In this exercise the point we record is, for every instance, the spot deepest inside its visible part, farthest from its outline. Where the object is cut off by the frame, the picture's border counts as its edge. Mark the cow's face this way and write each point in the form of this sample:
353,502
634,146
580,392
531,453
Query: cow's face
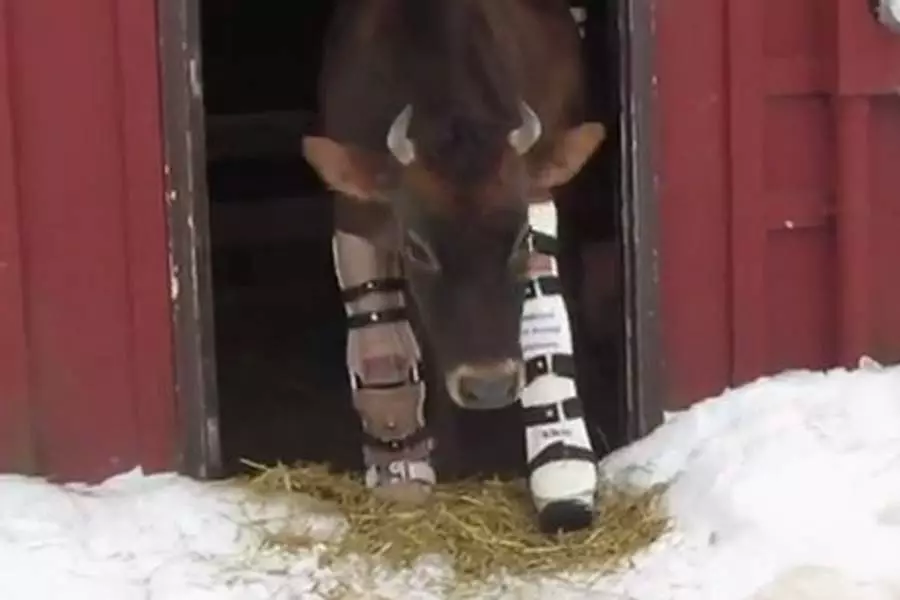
465,273
464,248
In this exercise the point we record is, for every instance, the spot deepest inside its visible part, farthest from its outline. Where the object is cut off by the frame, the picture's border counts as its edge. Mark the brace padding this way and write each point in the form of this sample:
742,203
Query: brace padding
384,364
559,454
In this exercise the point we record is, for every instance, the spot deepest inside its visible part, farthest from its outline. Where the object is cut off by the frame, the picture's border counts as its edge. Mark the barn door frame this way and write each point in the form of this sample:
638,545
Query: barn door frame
644,358
187,205
190,256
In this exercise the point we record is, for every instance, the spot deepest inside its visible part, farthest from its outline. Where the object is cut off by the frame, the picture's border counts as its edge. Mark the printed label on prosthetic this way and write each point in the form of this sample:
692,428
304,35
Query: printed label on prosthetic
545,328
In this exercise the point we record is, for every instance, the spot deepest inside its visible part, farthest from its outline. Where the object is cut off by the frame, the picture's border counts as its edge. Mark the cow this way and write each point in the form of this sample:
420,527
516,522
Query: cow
445,127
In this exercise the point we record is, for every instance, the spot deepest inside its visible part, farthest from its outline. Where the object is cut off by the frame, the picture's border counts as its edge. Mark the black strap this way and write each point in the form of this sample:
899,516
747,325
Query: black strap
377,317
547,285
543,243
562,365
396,445
571,408
389,284
560,451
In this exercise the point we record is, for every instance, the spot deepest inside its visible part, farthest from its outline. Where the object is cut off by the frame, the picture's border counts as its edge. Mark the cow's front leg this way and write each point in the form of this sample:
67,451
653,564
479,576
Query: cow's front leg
383,360
562,465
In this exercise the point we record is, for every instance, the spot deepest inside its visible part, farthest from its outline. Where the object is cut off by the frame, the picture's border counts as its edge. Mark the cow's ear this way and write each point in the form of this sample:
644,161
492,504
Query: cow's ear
566,157
351,171
374,221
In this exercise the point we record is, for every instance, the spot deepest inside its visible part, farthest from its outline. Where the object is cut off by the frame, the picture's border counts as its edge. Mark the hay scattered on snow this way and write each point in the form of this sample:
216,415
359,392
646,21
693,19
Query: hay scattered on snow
486,528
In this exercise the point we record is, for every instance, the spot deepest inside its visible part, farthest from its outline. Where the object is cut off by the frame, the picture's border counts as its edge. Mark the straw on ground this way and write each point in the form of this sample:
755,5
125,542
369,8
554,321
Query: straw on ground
485,528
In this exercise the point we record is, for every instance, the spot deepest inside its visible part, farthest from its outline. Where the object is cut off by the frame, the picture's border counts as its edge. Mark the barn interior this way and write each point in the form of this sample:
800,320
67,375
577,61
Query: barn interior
279,323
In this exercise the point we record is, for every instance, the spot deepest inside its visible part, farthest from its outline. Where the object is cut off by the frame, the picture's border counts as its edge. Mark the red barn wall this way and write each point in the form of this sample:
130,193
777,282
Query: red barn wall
780,132
86,384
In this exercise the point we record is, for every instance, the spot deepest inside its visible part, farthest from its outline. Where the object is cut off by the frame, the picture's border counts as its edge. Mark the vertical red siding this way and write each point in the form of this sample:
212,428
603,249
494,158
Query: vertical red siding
883,136
803,228
867,74
16,450
747,222
694,236
147,240
83,105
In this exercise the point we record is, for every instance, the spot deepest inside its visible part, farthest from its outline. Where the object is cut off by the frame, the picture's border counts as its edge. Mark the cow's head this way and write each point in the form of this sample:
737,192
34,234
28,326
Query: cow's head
463,241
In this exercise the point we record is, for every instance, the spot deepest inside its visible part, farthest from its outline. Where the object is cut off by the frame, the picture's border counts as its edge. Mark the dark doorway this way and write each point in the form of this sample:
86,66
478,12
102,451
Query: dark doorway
277,387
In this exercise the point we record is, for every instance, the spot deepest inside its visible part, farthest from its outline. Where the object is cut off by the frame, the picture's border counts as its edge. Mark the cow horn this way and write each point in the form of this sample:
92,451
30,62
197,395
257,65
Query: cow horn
523,138
398,137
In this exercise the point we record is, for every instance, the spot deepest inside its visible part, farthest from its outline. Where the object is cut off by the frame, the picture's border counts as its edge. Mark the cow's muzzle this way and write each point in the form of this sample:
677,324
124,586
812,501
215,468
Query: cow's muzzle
487,386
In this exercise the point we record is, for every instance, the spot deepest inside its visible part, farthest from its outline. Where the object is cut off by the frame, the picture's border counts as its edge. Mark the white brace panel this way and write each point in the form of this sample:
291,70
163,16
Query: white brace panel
546,330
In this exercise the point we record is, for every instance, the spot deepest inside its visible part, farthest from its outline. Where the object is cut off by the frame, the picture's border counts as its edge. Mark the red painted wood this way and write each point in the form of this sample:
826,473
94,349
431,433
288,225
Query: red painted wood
800,300
798,209
810,207
693,196
85,87
868,58
145,221
884,182
71,165
800,274
16,449
854,228
798,75
748,210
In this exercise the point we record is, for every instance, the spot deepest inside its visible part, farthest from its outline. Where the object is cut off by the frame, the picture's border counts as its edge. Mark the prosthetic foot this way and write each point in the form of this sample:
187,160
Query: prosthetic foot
562,465
384,364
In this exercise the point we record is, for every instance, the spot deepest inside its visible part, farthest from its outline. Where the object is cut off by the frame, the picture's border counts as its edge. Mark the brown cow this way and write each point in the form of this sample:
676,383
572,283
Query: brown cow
441,121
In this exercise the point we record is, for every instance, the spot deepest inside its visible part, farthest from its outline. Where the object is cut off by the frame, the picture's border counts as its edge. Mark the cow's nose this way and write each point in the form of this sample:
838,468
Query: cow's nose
486,389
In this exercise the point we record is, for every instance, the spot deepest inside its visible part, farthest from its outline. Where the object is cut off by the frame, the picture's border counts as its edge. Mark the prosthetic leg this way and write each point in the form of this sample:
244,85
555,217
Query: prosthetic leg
562,465
384,364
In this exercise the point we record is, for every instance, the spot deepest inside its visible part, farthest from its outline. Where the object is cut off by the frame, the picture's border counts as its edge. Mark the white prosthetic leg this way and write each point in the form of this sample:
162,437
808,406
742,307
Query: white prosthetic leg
562,465
384,364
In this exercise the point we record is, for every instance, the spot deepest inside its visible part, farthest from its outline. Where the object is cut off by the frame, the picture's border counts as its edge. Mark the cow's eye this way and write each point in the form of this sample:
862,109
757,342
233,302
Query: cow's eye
418,252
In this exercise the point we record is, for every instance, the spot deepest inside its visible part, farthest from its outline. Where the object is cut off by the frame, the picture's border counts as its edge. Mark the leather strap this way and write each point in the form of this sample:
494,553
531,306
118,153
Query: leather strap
560,451
387,285
377,317
543,243
396,445
546,285
568,409
562,365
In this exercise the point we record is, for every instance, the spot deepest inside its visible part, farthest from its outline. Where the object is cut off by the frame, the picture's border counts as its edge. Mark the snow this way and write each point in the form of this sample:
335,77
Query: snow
786,488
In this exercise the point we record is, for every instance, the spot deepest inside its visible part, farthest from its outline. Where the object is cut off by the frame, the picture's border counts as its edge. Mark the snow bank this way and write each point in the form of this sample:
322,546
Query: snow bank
798,470
787,488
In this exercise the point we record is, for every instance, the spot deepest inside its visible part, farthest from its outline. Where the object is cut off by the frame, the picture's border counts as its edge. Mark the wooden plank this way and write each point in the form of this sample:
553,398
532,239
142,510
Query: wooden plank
189,246
748,214
796,75
68,114
257,135
800,299
854,227
798,209
644,361
868,53
883,150
277,220
146,234
693,208
16,447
